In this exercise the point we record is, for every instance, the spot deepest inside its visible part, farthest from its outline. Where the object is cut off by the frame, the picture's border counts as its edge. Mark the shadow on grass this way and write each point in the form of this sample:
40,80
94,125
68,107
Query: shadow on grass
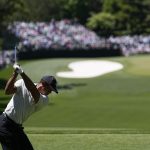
70,86
2,83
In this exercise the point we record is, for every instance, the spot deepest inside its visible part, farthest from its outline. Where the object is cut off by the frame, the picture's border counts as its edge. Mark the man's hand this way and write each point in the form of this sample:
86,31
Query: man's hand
18,68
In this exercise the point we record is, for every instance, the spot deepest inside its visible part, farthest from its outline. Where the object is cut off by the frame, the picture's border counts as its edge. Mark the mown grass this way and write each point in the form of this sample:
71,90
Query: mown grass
109,112
91,141
88,139
116,100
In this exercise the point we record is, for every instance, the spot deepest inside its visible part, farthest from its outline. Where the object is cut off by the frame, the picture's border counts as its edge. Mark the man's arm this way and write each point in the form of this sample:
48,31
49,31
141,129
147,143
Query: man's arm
31,87
28,83
10,88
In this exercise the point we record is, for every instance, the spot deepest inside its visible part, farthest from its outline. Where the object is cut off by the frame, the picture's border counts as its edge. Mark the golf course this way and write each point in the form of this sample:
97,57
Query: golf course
107,112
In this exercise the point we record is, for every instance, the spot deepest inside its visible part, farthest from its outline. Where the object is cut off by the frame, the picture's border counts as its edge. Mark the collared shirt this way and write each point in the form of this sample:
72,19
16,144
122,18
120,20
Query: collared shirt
22,105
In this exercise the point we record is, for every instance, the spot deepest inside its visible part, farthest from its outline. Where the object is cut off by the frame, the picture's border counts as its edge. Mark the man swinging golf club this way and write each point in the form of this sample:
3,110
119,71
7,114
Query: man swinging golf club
27,98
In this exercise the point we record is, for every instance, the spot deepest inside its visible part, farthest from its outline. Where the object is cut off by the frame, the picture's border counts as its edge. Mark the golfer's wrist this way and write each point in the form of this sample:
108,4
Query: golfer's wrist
22,72
19,71
15,74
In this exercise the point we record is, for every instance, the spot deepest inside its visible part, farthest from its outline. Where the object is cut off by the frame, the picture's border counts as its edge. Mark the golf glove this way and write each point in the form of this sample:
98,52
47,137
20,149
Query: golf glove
17,68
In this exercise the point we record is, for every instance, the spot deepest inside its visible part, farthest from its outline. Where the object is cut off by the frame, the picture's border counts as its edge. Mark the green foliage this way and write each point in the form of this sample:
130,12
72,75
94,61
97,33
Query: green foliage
44,10
8,8
112,6
81,9
104,23
1,42
131,16
75,8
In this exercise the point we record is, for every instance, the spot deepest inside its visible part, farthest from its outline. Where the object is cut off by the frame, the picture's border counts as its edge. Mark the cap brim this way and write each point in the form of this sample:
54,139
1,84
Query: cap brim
53,89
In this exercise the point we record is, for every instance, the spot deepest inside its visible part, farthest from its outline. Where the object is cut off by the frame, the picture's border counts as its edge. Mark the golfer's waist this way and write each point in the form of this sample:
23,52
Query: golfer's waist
11,120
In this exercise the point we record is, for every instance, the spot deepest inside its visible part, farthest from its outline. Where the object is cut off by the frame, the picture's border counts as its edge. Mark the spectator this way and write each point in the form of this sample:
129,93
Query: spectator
66,34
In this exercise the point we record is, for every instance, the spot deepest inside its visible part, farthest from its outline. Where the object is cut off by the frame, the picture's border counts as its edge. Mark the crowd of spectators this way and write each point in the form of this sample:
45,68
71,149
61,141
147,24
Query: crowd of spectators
6,58
64,34
130,45
71,35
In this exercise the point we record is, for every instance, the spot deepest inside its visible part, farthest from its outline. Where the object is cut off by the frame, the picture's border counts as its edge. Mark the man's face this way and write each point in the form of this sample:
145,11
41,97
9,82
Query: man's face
45,89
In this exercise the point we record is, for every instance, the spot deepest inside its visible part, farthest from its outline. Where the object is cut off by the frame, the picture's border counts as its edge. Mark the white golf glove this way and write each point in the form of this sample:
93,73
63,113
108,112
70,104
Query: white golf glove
17,68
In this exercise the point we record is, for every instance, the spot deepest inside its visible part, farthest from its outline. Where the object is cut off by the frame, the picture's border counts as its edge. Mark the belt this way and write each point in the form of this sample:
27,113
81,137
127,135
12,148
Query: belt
12,121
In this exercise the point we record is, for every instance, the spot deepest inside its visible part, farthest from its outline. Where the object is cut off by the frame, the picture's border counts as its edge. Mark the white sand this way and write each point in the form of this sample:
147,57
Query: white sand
90,69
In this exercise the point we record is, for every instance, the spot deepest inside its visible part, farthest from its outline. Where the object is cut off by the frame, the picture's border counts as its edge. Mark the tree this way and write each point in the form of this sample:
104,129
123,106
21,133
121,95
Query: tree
45,10
103,23
130,15
8,9
81,9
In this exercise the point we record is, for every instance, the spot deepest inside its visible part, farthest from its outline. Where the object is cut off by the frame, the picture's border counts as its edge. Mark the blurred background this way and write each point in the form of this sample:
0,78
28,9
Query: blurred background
69,27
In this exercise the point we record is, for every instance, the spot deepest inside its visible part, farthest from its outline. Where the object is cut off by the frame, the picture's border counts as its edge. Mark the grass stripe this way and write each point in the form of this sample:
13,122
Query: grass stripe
40,130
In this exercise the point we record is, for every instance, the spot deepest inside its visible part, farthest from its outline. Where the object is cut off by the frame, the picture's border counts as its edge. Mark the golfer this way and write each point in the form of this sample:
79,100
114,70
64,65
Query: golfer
27,98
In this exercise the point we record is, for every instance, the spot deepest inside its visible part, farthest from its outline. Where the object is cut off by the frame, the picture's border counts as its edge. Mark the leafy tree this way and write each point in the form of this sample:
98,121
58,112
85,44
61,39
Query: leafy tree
147,8
81,9
130,15
103,23
8,9
136,17
44,10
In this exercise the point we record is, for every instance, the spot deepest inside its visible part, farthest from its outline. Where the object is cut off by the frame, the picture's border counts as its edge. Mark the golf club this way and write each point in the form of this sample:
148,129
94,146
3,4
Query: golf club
16,49
15,55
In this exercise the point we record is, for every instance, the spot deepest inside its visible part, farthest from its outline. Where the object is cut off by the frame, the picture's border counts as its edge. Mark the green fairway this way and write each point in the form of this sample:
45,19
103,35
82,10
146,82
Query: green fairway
91,142
88,139
109,112
115,100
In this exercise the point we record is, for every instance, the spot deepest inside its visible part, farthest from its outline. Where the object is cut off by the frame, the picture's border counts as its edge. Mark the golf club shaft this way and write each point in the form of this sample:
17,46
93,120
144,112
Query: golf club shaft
15,54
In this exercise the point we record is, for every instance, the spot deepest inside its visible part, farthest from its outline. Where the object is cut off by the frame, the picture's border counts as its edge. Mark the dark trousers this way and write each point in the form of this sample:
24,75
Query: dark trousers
12,136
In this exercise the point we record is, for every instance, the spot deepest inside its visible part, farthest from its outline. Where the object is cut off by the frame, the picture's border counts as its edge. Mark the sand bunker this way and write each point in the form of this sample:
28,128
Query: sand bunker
90,69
